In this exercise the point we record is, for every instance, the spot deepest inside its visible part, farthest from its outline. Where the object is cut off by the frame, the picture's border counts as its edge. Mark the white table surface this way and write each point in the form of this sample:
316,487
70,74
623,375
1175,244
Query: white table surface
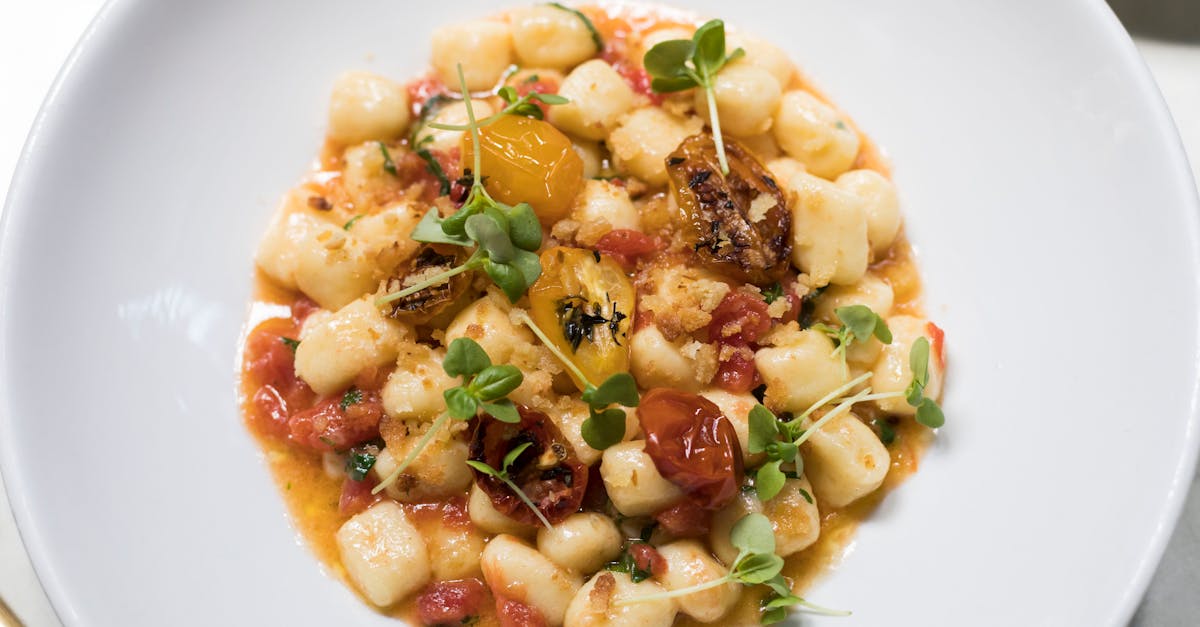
37,35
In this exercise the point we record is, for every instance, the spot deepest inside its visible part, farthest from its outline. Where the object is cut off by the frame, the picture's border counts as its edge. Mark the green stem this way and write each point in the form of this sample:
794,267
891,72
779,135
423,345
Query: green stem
436,279
830,396
819,609
471,125
412,454
842,408
881,396
527,321
715,120
700,587
525,499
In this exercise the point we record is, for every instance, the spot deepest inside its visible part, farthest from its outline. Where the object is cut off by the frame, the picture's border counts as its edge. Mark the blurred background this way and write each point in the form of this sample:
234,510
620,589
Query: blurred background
37,35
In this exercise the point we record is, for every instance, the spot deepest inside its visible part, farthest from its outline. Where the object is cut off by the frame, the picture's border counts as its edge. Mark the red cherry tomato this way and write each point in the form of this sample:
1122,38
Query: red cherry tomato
450,602
685,519
738,373
512,613
547,471
626,246
739,319
693,445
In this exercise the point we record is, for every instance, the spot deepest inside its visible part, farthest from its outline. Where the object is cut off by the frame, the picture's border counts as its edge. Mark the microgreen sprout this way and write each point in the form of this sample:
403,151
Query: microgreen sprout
596,39
775,438
859,324
502,475
772,292
485,387
928,411
505,237
349,223
668,65
774,607
605,425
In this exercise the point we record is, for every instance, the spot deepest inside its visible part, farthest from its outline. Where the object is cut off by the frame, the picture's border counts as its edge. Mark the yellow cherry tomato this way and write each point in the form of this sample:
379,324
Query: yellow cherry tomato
585,303
527,160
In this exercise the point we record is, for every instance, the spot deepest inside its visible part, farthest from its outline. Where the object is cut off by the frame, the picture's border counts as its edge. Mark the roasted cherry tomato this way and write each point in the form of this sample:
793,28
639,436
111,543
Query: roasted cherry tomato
547,471
528,160
738,224
423,306
693,445
585,303
626,246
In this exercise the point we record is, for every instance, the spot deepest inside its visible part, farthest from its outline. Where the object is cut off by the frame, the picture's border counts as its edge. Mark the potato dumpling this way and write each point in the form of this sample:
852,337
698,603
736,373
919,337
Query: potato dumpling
414,389
799,370
882,206
633,482
794,516
584,542
514,570
602,207
871,292
829,231
452,113
844,460
595,605
892,371
486,321
332,268
598,98
482,47
289,230
764,55
334,349
746,97
439,471
454,549
644,139
658,362
547,36
689,564
485,516
736,408
364,106
813,132
383,554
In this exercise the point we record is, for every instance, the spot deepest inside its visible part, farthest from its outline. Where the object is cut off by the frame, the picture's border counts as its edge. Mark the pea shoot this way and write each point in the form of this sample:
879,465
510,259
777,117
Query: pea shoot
774,607
485,387
505,237
681,64
502,475
859,324
605,425
928,411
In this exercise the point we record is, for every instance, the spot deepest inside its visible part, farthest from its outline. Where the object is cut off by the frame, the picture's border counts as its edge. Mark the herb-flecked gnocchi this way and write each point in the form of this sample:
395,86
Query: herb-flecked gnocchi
609,319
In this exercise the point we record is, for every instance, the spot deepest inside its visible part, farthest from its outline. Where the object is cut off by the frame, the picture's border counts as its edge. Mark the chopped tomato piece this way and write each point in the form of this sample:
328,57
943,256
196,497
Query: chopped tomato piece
739,319
516,614
738,373
450,602
647,559
937,343
685,520
356,496
422,89
627,246
327,426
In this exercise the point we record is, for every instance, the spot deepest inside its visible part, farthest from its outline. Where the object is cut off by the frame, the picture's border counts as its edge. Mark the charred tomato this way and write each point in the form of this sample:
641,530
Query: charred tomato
693,445
423,306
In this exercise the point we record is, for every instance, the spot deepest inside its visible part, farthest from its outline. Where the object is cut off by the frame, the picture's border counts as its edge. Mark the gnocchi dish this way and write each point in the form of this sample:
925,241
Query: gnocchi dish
607,319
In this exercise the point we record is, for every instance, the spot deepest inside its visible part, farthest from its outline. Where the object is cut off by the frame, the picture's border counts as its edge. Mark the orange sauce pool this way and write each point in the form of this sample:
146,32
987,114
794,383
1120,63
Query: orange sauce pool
312,495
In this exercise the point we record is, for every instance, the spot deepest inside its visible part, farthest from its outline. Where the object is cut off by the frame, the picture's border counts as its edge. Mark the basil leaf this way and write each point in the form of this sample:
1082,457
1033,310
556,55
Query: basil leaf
359,463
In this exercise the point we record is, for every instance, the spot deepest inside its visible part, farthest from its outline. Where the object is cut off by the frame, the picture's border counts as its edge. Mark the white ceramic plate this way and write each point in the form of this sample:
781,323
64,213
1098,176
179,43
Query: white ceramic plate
1043,184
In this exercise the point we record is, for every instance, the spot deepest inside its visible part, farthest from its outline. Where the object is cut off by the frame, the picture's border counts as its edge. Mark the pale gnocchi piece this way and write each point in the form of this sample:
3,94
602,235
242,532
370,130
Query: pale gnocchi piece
487,322
414,389
689,564
829,231
657,362
334,349
598,98
882,206
645,137
724,520
383,554
569,414
871,291
364,106
385,234
657,36
583,543
453,113
844,460
736,408
289,230
593,157
454,550
892,372
764,55
332,268
763,145
602,207
795,518
799,369
546,36
439,471
784,168
813,132
483,47
746,98
514,570
485,516
595,605
633,482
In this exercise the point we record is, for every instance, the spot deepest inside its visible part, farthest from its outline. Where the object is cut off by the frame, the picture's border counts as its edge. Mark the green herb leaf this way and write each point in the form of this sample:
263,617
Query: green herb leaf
758,568
503,410
596,39
483,468
460,403
753,534
524,227
509,279
618,388
389,166
512,456
769,481
808,497
353,396
709,55
529,265
772,293
359,463
435,168
431,230
887,433
550,99
603,429
495,382
863,323
764,429
491,236
290,343
668,59
930,415
918,361
349,223
508,94
465,357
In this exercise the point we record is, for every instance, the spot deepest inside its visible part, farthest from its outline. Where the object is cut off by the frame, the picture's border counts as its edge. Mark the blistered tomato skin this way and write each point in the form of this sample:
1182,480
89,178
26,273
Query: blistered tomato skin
528,160
693,445
547,471
585,303
425,305
739,223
